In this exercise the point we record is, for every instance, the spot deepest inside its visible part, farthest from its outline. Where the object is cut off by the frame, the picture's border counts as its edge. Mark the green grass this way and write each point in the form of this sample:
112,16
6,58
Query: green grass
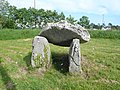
10,34
100,64
110,34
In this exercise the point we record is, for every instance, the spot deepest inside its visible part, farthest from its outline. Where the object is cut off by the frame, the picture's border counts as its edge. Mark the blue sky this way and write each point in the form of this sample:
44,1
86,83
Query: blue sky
94,9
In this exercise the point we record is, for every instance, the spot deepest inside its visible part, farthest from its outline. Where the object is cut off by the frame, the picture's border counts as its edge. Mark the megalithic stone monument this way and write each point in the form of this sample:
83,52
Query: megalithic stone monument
75,57
63,34
40,53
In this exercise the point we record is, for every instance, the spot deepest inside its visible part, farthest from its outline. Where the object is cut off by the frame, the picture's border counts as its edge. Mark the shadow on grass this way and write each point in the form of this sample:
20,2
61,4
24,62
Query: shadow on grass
27,60
60,62
6,79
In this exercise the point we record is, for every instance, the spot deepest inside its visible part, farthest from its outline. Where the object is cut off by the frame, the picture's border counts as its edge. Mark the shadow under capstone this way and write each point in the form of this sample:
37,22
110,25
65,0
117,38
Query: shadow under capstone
60,62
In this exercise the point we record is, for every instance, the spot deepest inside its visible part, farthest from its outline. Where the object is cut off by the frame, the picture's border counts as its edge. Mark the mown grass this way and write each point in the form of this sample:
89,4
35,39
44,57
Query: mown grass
100,64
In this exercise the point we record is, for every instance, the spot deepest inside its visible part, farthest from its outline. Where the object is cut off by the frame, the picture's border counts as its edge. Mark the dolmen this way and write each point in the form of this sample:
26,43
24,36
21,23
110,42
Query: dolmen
63,34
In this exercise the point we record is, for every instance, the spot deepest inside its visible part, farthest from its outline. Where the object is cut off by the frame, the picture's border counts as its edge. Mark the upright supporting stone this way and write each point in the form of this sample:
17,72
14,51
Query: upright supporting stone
40,53
75,57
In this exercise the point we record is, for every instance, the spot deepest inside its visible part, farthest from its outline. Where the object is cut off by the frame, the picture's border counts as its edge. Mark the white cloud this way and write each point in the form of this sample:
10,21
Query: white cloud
103,10
21,3
45,5
114,6
73,6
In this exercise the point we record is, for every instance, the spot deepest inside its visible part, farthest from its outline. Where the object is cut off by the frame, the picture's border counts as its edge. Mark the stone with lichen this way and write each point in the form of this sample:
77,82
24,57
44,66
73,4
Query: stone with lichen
62,33
75,57
40,53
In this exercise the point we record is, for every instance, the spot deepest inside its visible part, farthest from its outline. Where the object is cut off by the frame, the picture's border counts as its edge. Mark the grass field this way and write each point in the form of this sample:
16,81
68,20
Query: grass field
12,34
100,64
110,34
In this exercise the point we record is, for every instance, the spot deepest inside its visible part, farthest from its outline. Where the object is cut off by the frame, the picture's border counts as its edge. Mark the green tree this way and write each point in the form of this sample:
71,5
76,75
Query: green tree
41,18
71,19
92,26
103,25
110,25
11,18
61,16
7,13
99,26
4,6
2,21
84,21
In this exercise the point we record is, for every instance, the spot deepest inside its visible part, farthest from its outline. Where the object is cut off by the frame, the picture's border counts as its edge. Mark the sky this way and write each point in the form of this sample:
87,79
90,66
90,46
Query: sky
94,9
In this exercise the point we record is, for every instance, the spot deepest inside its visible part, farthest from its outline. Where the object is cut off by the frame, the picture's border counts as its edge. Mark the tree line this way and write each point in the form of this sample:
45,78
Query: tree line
11,17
